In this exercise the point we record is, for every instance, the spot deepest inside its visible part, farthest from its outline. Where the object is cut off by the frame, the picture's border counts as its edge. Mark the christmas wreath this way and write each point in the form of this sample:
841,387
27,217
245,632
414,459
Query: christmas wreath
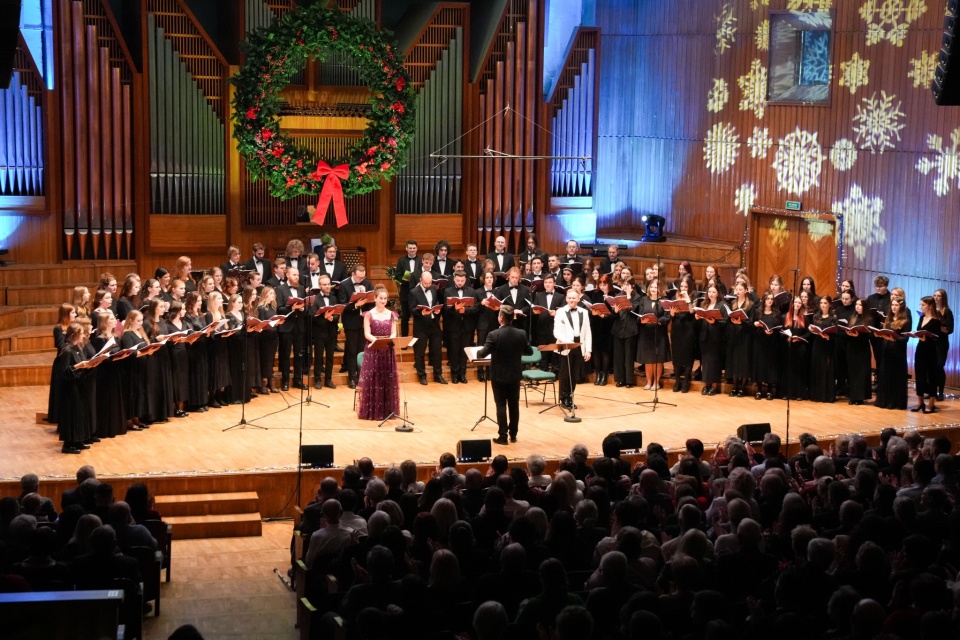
272,56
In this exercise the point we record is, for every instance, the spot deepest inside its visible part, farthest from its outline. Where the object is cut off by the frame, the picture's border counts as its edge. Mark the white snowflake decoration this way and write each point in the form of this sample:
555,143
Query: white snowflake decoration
745,196
809,5
718,96
879,121
726,28
861,217
817,230
890,19
843,155
855,73
946,162
762,36
756,4
798,162
922,69
721,147
759,143
754,88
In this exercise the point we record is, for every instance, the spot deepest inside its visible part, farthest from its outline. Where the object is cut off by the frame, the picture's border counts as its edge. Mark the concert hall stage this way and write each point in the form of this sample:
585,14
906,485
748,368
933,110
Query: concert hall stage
195,454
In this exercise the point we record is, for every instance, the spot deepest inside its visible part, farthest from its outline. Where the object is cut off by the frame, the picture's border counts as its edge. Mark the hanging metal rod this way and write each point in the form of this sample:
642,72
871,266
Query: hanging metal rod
499,155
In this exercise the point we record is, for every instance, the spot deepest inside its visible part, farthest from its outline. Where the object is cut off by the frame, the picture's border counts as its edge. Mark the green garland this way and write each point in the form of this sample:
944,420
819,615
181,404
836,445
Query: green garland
273,55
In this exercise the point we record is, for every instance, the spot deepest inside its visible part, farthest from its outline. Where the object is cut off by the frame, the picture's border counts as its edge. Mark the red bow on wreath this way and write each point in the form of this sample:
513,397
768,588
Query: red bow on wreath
332,190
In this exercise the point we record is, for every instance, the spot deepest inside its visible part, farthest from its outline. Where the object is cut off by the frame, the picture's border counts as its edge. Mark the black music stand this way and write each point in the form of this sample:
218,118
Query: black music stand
243,424
653,404
558,347
474,360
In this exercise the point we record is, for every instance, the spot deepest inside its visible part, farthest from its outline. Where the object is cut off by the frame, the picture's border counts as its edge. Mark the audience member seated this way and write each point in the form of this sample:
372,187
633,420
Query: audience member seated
105,563
129,533
327,541
30,486
40,568
141,503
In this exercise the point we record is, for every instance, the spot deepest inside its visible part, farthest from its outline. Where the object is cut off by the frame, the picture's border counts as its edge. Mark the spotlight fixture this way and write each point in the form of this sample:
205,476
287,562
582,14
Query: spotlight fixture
654,225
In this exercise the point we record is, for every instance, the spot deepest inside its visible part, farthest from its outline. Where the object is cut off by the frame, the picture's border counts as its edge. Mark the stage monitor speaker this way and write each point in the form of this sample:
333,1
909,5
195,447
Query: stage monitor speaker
473,450
753,432
946,77
317,456
9,29
629,440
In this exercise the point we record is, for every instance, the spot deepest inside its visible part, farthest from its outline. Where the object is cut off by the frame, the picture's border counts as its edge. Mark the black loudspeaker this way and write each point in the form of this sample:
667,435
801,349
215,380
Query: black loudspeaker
753,432
629,440
317,456
473,450
9,29
946,77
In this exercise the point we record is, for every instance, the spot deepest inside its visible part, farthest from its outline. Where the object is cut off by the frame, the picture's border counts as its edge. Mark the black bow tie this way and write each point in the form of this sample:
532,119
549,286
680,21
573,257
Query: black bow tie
513,288
329,264
256,261
459,291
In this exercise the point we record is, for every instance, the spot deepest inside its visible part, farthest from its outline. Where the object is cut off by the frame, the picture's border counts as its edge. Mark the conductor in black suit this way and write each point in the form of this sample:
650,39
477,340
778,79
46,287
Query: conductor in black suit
506,346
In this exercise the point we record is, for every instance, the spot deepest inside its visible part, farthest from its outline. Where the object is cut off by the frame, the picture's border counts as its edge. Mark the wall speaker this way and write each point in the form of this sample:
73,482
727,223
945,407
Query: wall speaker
753,432
473,450
9,29
317,456
629,440
946,77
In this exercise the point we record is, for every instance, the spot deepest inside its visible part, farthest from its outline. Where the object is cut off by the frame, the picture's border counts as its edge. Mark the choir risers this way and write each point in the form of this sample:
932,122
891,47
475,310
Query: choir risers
212,515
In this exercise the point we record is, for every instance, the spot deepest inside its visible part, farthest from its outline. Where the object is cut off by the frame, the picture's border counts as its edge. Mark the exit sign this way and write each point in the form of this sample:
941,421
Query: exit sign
793,205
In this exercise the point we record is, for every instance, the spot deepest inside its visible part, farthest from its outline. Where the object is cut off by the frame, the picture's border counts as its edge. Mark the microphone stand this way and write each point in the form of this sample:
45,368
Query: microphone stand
796,275
243,424
308,350
474,360
407,426
656,350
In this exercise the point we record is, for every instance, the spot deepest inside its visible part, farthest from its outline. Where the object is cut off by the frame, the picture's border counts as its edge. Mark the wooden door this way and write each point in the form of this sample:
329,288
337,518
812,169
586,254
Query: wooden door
781,241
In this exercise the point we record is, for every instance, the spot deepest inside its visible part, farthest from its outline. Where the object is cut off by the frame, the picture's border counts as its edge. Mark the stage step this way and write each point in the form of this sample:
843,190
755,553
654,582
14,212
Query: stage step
23,316
68,273
211,515
24,370
24,340
52,295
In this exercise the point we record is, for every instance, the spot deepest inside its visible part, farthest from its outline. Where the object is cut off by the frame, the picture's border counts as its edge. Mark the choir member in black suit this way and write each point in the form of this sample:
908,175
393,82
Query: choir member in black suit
352,319
233,260
684,335
259,263
739,356
291,332
892,377
129,296
943,342
311,278
269,339
768,348
408,263
331,265
822,354
572,325
572,256
925,362
553,266
175,322
551,300
857,354
506,347
426,328
472,266
324,336
296,256
532,249
183,271
625,330
218,351
653,345
712,342
199,364
443,265
536,269
518,296
111,409
458,325
486,317
797,371
74,424
426,266
613,257
878,304
279,274
502,260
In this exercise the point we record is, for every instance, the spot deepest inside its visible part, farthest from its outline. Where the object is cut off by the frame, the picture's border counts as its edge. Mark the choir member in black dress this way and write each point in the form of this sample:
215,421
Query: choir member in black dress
684,335
797,371
207,286
843,313
159,371
165,279
102,300
653,344
111,403
768,348
683,269
807,284
487,317
66,317
892,377
175,322
217,353
712,276
74,425
809,302
183,271
926,363
151,289
857,353
178,291
712,334
218,279
775,286
197,355
459,323
943,342
738,364
269,339
129,296
109,283
822,377
625,330
134,375
878,304
626,273
88,382
81,301
238,392
601,327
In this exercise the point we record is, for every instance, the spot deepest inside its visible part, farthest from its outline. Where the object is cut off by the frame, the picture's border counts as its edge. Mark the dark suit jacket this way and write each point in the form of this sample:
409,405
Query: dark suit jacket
295,321
339,270
523,297
525,256
486,319
403,264
543,323
474,269
506,346
267,268
226,268
300,262
352,318
606,266
274,282
421,323
507,260
459,322
447,271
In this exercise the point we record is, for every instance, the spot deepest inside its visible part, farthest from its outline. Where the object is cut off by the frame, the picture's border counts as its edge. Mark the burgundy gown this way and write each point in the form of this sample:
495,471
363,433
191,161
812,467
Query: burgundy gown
379,387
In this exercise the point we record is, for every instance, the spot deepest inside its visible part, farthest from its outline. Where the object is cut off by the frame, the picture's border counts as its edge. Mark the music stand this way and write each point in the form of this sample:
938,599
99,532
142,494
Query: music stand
653,404
474,360
401,342
558,347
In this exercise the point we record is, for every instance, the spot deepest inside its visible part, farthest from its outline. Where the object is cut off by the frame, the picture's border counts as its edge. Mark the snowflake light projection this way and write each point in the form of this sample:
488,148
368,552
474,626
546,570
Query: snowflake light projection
809,5
746,195
718,96
759,143
946,163
726,28
843,155
762,36
855,73
879,121
779,233
754,88
890,19
756,4
861,217
721,147
817,230
922,70
798,162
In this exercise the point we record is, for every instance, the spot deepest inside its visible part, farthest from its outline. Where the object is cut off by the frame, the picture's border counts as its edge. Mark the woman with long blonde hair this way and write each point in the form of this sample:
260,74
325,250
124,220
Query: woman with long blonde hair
218,352
81,301
135,372
111,403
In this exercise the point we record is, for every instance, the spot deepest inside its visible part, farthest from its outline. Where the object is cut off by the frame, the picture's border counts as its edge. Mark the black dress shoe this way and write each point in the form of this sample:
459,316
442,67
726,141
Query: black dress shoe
92,440
481,376
83,445
343,369
713,391
329,385
69,449
603,382
705,391
463,379
455,379
317,384
352,383
338,348
919,408
620,384
596,380
501,440
264,391
423,380
284,386
299,385
439,378
940,397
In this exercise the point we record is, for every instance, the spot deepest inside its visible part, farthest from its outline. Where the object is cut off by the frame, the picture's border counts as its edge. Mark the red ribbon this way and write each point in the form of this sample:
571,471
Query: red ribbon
332,190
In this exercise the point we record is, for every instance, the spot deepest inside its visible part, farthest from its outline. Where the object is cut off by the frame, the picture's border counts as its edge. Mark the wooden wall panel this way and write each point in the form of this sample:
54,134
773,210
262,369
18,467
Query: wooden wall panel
187,232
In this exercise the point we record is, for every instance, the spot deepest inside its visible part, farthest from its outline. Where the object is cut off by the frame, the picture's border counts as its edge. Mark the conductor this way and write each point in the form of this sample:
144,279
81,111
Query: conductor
506,345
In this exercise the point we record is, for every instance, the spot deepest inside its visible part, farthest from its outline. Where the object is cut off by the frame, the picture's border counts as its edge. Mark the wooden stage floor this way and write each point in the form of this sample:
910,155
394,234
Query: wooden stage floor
442,415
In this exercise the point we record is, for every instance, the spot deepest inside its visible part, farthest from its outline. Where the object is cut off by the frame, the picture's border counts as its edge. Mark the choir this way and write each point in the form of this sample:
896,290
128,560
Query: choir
144,352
